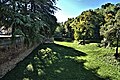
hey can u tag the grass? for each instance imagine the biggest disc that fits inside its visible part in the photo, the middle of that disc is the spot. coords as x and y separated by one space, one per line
67 67
100 60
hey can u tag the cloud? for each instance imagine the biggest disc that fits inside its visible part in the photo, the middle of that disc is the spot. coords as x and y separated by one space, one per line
61 17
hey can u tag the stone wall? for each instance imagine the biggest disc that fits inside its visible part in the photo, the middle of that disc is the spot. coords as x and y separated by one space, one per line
9 65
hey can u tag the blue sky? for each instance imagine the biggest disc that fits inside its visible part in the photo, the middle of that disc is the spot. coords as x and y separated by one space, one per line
73 8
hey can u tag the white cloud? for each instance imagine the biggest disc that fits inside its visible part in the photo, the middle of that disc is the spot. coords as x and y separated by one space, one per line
61 17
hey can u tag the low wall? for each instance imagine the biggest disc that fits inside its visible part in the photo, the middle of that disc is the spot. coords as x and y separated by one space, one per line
9 65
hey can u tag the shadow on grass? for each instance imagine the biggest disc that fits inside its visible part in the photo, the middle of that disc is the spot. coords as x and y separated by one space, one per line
66 68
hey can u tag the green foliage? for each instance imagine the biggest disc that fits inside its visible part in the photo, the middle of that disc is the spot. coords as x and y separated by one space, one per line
99 24
19 32
68 40
109 28
87 24
84 26
77 35
47 56
34 21
64 30
59 31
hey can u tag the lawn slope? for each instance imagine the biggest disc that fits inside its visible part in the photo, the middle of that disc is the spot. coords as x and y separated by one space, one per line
66 68
99 60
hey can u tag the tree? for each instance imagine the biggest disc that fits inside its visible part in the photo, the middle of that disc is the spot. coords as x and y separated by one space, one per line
59 30
117 17
33 18
117 37
68 28
87 25
109 28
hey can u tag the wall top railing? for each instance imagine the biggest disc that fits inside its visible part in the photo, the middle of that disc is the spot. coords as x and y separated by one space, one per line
5 36
8 36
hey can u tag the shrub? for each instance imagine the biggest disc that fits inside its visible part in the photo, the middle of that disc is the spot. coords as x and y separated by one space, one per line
68 39
58 39
47 56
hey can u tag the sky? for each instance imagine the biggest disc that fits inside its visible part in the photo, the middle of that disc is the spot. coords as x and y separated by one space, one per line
73 8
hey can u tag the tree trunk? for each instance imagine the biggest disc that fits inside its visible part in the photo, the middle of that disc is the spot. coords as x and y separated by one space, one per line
84 40
25 8
117 54
108 44
32 5
13 26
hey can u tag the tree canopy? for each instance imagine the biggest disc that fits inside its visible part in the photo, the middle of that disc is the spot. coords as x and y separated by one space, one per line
33 19
98 24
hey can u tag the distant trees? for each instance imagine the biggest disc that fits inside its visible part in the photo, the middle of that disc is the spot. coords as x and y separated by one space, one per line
87 25
99 24
111 25
64 30
33 19
59 31
68 28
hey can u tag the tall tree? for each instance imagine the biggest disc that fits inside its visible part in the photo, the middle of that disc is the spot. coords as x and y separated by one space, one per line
87 25
32 19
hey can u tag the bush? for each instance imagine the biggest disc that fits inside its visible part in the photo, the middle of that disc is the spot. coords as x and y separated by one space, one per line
58 39
67 39
47 56
89 41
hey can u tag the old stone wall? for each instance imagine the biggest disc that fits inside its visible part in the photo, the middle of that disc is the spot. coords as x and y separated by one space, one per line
9 65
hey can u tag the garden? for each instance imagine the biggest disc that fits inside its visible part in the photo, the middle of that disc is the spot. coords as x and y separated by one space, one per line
34 45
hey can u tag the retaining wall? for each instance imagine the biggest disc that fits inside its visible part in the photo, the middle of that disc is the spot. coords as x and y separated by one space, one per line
9 65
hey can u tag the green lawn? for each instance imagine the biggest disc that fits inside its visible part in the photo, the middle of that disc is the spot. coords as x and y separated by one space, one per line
77 62
100 60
